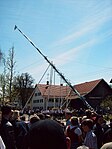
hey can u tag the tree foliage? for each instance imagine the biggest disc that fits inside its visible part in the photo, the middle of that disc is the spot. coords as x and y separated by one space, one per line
6 78
107 103
2 88
12 85
23 84
24 80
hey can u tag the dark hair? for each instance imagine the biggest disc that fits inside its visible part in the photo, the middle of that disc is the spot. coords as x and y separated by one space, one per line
97 117
87 122
34 119
74 120
46 134
6 110
88 113
41 116
22 118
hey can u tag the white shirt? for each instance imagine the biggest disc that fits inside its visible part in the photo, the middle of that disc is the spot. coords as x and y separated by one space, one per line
90 140
2 145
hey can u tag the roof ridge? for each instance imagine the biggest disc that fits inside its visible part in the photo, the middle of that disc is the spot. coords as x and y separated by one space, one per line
88 82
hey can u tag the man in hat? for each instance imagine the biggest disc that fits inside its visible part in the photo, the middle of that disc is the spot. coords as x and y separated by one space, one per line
6 128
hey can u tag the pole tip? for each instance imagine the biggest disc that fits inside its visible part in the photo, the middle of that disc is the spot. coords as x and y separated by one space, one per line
15 27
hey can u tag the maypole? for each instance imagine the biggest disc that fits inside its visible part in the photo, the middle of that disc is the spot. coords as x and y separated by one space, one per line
53 66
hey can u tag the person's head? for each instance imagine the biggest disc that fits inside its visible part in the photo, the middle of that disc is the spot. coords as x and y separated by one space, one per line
47 134
34 118
15 115
107 146
6 112
87 125
88 113
74 120
83 147
68 115
41 116
99 119
23 118
47 116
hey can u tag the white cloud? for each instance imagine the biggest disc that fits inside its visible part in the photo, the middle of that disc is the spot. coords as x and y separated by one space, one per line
90 24
71 53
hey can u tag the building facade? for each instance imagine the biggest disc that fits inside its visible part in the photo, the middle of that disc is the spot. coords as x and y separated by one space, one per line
47 96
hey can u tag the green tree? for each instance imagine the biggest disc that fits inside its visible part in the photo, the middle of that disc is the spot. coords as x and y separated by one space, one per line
23 84
107 103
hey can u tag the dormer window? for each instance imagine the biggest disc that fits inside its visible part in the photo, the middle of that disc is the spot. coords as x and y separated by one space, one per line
39 93
36 94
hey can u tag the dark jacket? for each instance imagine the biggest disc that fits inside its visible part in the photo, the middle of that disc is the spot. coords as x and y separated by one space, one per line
7 134
21 130
98 130
107 137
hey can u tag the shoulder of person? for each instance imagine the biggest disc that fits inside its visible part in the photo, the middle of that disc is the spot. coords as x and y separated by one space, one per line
107 146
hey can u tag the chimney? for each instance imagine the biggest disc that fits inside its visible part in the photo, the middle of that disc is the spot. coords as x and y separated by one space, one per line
47 82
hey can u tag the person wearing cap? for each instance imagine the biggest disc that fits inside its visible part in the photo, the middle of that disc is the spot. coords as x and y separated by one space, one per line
6 128
47 134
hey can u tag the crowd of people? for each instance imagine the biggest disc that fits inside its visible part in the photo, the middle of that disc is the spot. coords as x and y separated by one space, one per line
45 131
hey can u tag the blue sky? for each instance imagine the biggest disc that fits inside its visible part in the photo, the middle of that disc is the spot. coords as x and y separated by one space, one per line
75 34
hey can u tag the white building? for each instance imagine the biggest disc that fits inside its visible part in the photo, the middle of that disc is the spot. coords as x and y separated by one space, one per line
48 96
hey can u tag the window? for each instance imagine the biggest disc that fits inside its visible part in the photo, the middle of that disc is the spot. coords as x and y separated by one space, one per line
56 100
39 93
41 100
35 101
51 100
35 94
